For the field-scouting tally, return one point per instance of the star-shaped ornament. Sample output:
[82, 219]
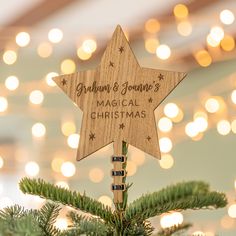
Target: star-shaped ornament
[113, 95]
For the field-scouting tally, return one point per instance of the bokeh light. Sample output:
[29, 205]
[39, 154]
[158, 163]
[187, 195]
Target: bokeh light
[171, 110]
[203, 58]
[191, 129]
[171, 219]
[165, 144]
[55, 35]
[152, 26]
[68, 169]
[227, 222]
[232, 211]
[227, 43]
[62, 184]
[217, 33]
[22, 39]
[165, 124]
[223, 127]
[89, 46]
[201, 123]
[211, 42]
[233, 126]
[68, 66]
[32, 168]
[151, 45]
[61, 224]
[73, 141]
[5, 202]
[167, 161]
[137, 156]
[131, 168]
[181, 11]
[184, 28]
[68, 128]
[163, 52]
[83, 55]
[105, 200]
[1, 162]
[38, 130]
[212, 105]
[233, 96]
[9, 57]
[3, 104]
[36, 97]
[12, 83]
[56, 164]
[96, 175]
[49, 79]
[44, 49]
[227, 17]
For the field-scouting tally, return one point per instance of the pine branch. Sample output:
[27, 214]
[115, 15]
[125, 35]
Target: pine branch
[46, 217]
[74, 199]
[86, 226]
[174, 229]
[190, 195]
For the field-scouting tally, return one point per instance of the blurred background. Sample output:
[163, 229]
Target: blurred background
[40, 126]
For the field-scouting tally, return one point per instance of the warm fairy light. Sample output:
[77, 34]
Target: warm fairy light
[232, 211]
[83, 55]
[165, 144]
[163, 52]
[198, 233]
[201, 123]
[44, 49]
[227, 43]
[203, 58]
[151, 45]
[181, 11]
[61, 224]
[105, 200]
[12, 83]
[165, 124]
[223, 127]
[49, 79]
[200, 114]
[131, 168]
[152, 26]
[179, 116]
[233, 96]
[55, 35]
[36, 97]
[96, 175]
[22, 39]
[137, 156]
[217, 33]
[171, 219]
[5, 202]
[184, 28]
[227, 17]
[68, 66]
[62, 184]
[167, 161]
[68, 128]
[233, 126]
[212, 105]
[32, 168]
[9, 57]
[191, 129]
[89, 45]
[211, 42]
[68, 169]
[73, 141]
[56, 164]
[235, 184]
[38, 130]
[3, 104]
[171, 110]
[1, 162]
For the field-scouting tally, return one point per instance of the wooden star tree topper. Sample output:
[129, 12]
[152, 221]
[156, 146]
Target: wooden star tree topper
[118, 100]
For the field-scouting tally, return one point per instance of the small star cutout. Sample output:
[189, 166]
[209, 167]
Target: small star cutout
[121, 49]
[161, 77]
[150, 100]
[121, 126]
[148, 138]
[111, 64]
[64, 82]
[92, 136]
